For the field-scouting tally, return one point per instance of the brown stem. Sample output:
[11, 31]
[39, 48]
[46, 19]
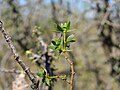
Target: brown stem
[72, 71]
[34, 80]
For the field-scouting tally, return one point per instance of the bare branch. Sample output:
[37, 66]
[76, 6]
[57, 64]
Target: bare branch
[34, 80]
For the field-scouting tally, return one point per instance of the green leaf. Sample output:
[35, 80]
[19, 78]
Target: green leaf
[59, 29]
[54, 42]
[69, 30]
[55, 48]
[52, 47]
[47, 81]
[68, 25]
[58, 48]
[64, 25]
[28, 52]
[58, 42]
[71, 38]
[40, 74]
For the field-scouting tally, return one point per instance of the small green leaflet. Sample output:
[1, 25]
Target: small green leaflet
[56, 42]
[40, 74]
[47, 81]
[71, 38]
[68, 25]
[59, 29]
[52, 47]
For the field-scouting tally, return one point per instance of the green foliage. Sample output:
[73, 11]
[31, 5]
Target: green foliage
[40, 74]
[47, 81]
[62, 44]
[45, 78]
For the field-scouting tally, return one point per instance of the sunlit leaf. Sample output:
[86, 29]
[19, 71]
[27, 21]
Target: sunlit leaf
[28, 52]
[56, 42]
[47, 81]
[71, 38]
[51, 47]
[40, 74]
[68, 25]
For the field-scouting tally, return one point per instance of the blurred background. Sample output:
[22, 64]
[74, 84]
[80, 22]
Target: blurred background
[96, 52]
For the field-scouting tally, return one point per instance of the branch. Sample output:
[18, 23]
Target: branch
[106, 15]
[115, 25]
[10, 71]
[72, 71]
[34, 80]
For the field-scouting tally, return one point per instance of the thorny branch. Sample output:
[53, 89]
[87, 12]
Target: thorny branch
[34, 80]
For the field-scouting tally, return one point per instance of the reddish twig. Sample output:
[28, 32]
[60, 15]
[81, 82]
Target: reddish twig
[72, 71]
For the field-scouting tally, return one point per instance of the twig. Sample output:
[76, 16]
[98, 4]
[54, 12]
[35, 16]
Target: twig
[34, 80]
[57, 76]
[10, 71]
[13, 71]
[115, 25]
[72, 71]
[106, 15]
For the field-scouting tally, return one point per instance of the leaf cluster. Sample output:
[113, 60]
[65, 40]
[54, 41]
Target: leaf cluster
[62, 44]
